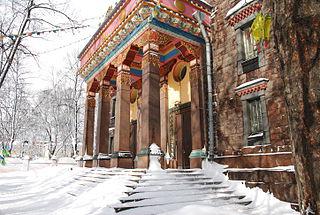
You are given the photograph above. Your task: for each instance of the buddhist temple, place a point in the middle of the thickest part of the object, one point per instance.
(144, 75)
(197, 79)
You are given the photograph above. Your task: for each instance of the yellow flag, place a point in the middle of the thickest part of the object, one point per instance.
(257, 28)
(267, 27)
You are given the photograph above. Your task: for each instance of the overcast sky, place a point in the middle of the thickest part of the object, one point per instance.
(51, 56)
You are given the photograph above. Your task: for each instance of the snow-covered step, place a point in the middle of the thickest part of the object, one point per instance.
(166, 178)
(92, 180)
(158, 209)
(180, 199)
(175, 174)
(134, 172)
(176, 187)
(158, 183)
(209, 187)
(182, 170)
(155, 195)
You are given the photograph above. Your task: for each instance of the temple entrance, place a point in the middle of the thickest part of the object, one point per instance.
(183, 135)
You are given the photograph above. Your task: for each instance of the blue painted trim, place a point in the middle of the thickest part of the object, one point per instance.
(117, 48)
(136, 72)
(177, 31)
(155, 22)
(171, 54)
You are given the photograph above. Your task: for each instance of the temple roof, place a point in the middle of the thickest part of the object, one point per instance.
(201, 3)
(130, 18)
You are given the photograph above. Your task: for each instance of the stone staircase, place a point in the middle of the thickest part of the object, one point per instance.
(92, 177)
(161, 191)
(155, 192)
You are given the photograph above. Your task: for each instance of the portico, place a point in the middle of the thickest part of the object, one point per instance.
(148, 54)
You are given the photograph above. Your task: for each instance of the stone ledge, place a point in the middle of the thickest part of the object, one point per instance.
(261, 160)
(281, 183)
(122, 154)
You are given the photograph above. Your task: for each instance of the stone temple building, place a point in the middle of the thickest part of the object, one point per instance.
(148, 70)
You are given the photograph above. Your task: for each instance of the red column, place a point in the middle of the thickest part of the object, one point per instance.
(164, 114)
(122, 156)
(88, 136)
(196, 125)
(103, 120)
(150, 103)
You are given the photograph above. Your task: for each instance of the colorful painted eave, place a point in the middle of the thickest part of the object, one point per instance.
(129, 15)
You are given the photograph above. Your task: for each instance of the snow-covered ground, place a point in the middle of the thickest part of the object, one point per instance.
(67, 189)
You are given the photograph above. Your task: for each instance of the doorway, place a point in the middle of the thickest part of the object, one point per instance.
(183, 134)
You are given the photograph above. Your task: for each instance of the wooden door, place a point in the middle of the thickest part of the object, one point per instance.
(183, 136)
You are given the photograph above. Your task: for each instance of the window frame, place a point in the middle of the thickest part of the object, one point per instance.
(246, 65)
(265, 139)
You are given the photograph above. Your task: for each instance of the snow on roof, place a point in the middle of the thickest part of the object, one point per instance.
(250, 83)
(238, 6)
(206, 2)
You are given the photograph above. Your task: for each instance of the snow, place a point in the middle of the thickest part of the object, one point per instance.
(256, 154)
(289, 168)
(238, 6)
(67, 189)
(67, 160)
(155, 155)
(250, 83)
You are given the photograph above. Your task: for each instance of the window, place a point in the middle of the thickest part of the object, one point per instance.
(249, 45)
(248, 57)
(255, 117)
(255, 124)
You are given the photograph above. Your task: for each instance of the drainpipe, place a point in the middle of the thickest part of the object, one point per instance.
(212, 133)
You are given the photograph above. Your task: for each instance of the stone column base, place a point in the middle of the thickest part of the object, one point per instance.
(104, 160)
(95, 161)
(79, 161)
(122, 159)
(195, 163)
(105, 163)
(126, 163)
(88, 163)
(196, 157)
(143, 162)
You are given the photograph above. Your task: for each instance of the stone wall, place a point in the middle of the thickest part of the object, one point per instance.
(230, 114)
(248, 161)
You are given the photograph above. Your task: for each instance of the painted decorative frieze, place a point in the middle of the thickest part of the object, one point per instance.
(129, 16)
(243, 12)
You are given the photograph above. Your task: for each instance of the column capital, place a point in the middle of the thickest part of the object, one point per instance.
(195, 62)
(150, 37)
(90, 94)
(123, 78)
(151, 58)
(123, 68)
(105, 91)
(91, 102)
(150, 46)
(163, 81)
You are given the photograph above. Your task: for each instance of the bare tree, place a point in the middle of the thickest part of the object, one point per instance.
(57, 111)
(76, 86)
(17, 17)
(296, 26)
(14, 104)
